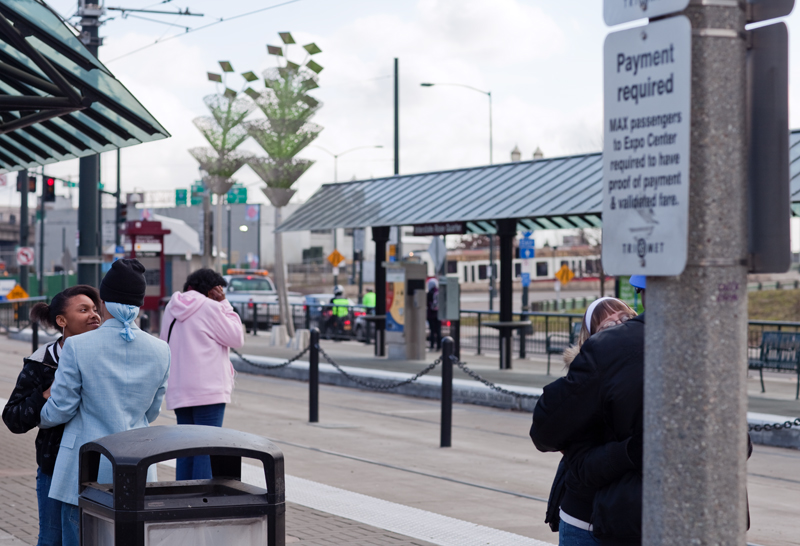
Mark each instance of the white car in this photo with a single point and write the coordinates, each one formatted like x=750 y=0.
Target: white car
x=253 y=289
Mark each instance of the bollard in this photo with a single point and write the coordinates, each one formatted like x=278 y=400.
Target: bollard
x=255 y=319
x=35 y=336
x=447 y=391
x=313 y=377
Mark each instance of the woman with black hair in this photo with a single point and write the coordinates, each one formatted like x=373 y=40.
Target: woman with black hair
x=73 y=312
x=200 y=325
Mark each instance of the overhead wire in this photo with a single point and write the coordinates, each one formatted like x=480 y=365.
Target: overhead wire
x=203 y=27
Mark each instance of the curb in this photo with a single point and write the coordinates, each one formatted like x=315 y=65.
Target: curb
x=468 y=391
x=465 y=391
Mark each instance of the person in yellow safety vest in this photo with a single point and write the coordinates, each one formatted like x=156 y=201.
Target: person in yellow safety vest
x=369 y=298
x=340 y=310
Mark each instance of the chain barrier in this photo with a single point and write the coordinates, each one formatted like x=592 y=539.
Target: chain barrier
x=775 y=426
x=378 y=386
x=271 y=366
x=477 y=377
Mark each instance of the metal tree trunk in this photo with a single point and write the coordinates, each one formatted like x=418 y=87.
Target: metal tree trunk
x=280 y=278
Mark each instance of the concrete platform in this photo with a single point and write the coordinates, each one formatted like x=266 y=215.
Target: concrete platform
x=528 y=378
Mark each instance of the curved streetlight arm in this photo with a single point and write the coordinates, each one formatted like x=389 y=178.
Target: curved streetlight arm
x=336 y=156
x=488 y=94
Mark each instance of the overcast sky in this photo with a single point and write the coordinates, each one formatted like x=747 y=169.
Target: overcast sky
x=542 y=61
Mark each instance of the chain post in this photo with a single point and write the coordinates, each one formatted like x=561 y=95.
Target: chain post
x=447 y=391
x=255 y=319
x=313 y=377
x=35 y=336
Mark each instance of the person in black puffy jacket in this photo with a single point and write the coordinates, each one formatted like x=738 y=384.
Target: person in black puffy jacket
x=594 y=416
x=73 y=311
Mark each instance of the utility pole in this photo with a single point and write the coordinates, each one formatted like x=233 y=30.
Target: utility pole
x=22 y=180
x=399 y=246
x=695 y=398
x=118 y=195
x=41 y=236
x=88 y=194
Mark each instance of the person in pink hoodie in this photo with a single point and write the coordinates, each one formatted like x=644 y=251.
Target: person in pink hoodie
x=200 y=325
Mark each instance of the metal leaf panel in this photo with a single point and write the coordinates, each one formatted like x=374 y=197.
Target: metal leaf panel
x=564 y=192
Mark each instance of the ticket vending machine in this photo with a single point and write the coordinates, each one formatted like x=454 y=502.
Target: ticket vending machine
x=405 y=310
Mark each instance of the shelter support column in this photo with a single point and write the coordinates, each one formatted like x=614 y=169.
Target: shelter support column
x=381 y=236
x=507 y=230
x=695 y=398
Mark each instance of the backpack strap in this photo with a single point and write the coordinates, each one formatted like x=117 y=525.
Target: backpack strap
x=169 y=334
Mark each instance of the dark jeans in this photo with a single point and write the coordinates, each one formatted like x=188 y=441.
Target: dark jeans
x=436 y=333
x=199 y=467
x=49 y=512
x=70 y=528
x=569 y=535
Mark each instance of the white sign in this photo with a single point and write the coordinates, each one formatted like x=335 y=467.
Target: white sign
x=438 y=252
x=25 y=255
x=616 y=12
x=647 y=85
x=359 y=239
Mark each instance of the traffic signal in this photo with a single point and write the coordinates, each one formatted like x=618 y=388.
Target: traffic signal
x=122 y=213
x=50 y=190
x=31 y=184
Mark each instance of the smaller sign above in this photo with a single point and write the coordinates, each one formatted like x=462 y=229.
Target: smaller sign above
x=527 y=248
x=444 y=228
x=25 y=255
x=335 y=258
x=616 y=12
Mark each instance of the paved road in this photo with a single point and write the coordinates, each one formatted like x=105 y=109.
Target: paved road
x=386 y=447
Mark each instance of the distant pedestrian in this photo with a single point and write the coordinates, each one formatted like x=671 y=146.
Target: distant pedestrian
x=594 y=416
x=73 y=312
x=108 y=380
x=433 y=314
x=200 y=325
x=569 y=509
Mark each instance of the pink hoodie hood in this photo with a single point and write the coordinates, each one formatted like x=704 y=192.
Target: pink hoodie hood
x=183 y=305
x=201 y=372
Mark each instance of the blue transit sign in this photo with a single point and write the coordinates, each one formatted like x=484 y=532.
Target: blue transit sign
x=526 y=279
x=527 y=248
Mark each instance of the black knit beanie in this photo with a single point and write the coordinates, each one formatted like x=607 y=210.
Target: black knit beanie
x=124 y=283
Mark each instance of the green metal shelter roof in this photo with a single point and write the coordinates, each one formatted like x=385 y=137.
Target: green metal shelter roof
x=564 y=192
x=57 y=101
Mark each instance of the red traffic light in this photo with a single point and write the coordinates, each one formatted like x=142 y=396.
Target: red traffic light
x=51 y=182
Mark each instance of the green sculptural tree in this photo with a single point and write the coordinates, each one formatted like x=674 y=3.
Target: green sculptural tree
x=225 y=132
x=283 y=133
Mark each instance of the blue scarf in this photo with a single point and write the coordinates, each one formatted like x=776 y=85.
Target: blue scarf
x=126 y=314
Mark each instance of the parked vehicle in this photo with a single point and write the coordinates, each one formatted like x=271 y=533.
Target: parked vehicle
x=252 y=290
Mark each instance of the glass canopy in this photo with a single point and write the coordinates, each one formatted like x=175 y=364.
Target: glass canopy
x=57 y=101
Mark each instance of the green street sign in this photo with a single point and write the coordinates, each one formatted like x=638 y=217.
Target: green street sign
x=180 y=197
x=237 y=195
x=197 y=193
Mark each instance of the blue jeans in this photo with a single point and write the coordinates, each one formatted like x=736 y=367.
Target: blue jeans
x=199 y=467
x=569 y=535
x=70 y=529
x=49 y=512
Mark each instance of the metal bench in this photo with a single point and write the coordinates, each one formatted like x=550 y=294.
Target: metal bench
x=779 y=351
x=556 y=343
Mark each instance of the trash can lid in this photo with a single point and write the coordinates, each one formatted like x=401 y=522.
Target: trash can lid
x=161 y=443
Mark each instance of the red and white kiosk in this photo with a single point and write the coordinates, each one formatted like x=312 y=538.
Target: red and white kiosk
x=146 y=240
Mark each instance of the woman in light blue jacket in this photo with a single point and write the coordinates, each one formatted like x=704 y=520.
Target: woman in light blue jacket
x=110 y=380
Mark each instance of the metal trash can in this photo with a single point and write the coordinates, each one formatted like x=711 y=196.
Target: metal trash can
x=219 y=511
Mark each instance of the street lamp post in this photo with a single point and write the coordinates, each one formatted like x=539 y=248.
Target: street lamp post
x=488 y=94
x=337 y=156
x=228 y=208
